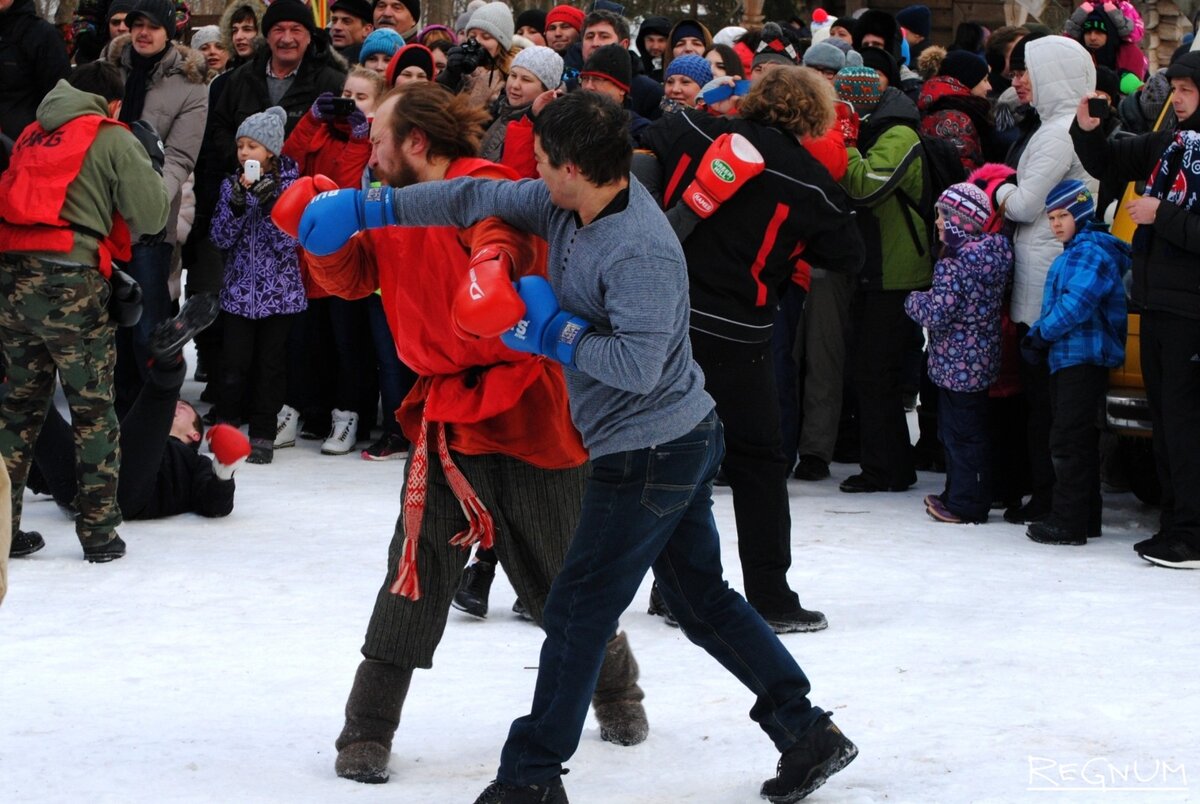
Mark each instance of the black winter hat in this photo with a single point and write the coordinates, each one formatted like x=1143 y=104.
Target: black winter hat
x=1186 y=66
x=533 y=18
x=159 y=12
x=968 y=68
x=355 y=8
x=881 y=61
x=1016 y=59
x=287 y=11
x=611 y=62
x=880 y=23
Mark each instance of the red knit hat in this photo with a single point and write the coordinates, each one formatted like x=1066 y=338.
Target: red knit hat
x=569 y=14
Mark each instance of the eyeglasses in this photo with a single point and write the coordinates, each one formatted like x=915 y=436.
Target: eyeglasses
x=1013 y=75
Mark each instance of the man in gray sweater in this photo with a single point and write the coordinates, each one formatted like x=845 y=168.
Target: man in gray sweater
x=655 y=442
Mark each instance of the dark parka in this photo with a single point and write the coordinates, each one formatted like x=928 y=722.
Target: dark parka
x=32 y=59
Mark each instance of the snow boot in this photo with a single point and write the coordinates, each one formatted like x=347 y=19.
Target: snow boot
x=25 y=543
x=617 y=701
x=196 y=315
x=101 y=549
x=819 y=753
x=262 y=451
x=472 y=594
x=342 y=434
x=551 y=792
x=372 y=717
x=287 y=422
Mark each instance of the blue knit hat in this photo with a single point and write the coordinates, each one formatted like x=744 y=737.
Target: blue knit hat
x=690 y=66
x=1073 y=196
x=380 y=40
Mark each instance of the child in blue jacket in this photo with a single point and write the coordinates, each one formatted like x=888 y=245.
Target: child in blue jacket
x=1082 y=330
x=962 y=315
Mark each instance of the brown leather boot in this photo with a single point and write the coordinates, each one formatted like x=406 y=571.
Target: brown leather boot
x=617 y=701
x=372 y=717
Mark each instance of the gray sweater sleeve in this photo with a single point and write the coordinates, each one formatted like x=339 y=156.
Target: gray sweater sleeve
x=464 y=202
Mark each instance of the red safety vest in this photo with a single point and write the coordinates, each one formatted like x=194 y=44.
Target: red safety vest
x=34 y=188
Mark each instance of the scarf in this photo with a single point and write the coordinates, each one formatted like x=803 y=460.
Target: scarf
x=1175 y=180
x=138 y=83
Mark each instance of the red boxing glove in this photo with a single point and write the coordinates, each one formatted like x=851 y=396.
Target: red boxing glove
x=229 y=446
x=729 y=162
x=292 y=201
x=487 y=303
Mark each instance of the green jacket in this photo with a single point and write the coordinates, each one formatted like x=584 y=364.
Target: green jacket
x=895 y=261
x=116 y=174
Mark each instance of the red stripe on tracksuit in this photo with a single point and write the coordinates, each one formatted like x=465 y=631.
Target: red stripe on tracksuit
x=760 y=261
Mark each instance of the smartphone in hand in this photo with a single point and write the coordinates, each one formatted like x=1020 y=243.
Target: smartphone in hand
x=252 y=170
x=1097 y=107
x=344 y=107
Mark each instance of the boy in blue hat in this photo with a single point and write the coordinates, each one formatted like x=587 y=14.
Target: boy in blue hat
x=1082 y=330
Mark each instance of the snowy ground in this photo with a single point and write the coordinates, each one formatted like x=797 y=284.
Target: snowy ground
x=968 y=663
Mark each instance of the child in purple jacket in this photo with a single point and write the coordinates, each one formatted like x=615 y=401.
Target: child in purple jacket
x=962 y=314
x=263 y=292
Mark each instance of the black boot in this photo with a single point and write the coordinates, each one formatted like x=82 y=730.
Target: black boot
x=551 y=792
x=102 y=549
x=617 y=701
x=372 y=717
x=169 y=337
x=819 y=753
x=472 y=595
x=25 y=543
x=658 y=607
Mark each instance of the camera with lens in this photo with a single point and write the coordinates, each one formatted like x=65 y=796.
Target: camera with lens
x=473 y=56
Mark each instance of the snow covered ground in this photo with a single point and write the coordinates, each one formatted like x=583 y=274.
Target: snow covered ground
x=967 y=663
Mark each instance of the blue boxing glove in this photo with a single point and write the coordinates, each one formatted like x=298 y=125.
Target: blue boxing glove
x=545 y=328
x=332 y=218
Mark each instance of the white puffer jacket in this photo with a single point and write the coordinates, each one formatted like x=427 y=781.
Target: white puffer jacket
x=1060 y=73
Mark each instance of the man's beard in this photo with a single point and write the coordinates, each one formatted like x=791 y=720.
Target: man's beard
x=402 y=176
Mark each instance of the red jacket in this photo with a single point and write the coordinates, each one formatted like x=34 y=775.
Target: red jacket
x=497 y=400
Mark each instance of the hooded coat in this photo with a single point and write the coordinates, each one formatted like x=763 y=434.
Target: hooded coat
x=226 y=25
x=177 y=107
x=652 y=25
x=950 y=112
x=708 y=42
x=1060 y=72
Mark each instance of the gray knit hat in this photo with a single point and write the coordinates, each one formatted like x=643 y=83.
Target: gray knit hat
x=265 y=128
x=206 y=35
x=823 y=55
x=542 y=62
x=495 y=19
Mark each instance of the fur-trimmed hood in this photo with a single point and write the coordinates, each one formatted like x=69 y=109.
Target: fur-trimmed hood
x=226 y=24
x=183 y=61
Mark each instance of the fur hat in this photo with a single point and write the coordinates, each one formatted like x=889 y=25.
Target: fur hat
x=690 y=66
x=917 y=19
x=858 y=86
x=265 y=128
x=413 y=55
x=1073 y=196
x=568 y=14
x=881 y=24
x=287 y=11
x=380 y=40
x=543 y=63
x=966 y=211
x=205 y=35
x=610 y=62
x=495 y=19
x=968 y=68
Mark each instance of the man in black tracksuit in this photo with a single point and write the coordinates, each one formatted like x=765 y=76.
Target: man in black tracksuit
x=1166 y=290
x=739 y=262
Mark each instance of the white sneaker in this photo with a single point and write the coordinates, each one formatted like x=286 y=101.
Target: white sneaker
x=287 y=421
x=342 y=435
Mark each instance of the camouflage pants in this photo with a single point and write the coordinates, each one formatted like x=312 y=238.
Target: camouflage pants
x=54 y=318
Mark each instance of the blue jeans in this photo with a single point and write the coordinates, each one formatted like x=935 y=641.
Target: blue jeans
x=395 y=378
x=643 y=509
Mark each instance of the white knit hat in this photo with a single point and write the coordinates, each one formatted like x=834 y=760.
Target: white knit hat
x=206 y=35
x=542 y=62
x=495 y=19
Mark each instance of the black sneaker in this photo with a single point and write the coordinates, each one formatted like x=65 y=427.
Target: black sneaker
x=169 y=337
x=472 y=595
x=1050 y=532
x=794 y=622
x=390 y=446
x=25 y=543
x=552 y=792
x=810 y=467
x=819 y=753
x=1146 y=544
x=861 y=484
x=98 y=551
x=1033 y=511
x=1174 y=553
x=658 y=608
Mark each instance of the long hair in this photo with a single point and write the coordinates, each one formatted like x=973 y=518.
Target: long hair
x=452 y=123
